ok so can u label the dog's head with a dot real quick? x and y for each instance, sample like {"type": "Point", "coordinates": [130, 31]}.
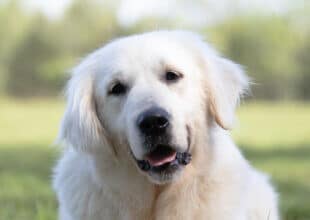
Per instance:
{"type": "Point", "coordinates": [150, 94]}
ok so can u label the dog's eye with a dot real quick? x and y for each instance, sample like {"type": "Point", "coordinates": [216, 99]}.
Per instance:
{"type": "Point", "coordinates": [118, 89]}
{"type": "Point", "coordinates": [172, 76]}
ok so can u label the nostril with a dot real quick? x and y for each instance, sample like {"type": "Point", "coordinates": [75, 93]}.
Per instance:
{"type": "Point", "coordinates": [162, 122]}
{"type": "Point", "coordinates": [146, 123]}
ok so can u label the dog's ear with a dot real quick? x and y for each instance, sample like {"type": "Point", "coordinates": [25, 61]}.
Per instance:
{"type": "Point", "coordinates": [81, 127]}
{"type": "Point", "coordinates": [227, 82]}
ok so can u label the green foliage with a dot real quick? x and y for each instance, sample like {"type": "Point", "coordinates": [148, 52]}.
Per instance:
{"type": "Point", "coordinates": [266, 46]}
{"type": "Point", "coordinates": [85, 26]}
{"type": "Point", "coordinates": [274, 137]}
{"type": "Point", "coordinates": [39, 64]}
{"type": "Point", "coordinates": [36, 53]}
{"type": "Point", "coordinates": [14, 23]}
{"type": "Point", "coordinates": [303, 60]}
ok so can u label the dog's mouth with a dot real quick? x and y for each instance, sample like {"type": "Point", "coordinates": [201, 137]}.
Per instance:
{"type": "Point", "coordinates": [164, 157]}
{"type": "Point", "coordinates": [161, 155]}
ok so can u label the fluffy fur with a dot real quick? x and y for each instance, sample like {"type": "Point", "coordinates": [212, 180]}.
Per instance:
{"type": "Point", "coordinates": [98, 178]}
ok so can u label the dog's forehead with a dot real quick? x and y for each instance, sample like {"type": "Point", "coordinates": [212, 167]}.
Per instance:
{"type": "Point", "coordinates": [142, 54]}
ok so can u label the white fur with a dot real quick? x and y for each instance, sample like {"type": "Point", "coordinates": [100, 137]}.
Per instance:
{"type": "Point", "coordinates": [97, 177]}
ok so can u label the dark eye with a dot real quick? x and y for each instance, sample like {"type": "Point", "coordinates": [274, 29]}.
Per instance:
{"type": "Point", "coordinates": [118, 89]}
{"type": "Point", "coordinates": [172, 76]}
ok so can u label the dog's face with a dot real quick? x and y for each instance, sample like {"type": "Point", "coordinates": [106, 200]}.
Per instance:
{"type": "Point", "coordinates": [148, 94]}
{"type": "Point", "coordinates": [145, 98]}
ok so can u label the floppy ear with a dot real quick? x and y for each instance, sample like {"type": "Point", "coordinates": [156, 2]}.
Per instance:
{"type": "Point", "coordinates": [226, 84]}
{"type": "Point", "coordinates": [81, 127]}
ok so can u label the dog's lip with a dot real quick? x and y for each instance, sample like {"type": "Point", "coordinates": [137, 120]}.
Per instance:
{"type": "Point", "coordinates": [161, 155]}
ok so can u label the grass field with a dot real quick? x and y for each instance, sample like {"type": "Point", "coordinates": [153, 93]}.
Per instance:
{"type": "Point", "coordinates": [274, 137]}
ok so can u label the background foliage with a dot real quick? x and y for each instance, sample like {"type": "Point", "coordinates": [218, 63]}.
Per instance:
{"type": "Point", "coordinates": [35, 50]}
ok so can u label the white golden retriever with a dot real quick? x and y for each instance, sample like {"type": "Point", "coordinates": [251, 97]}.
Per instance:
{"type": "Point", "coordinates": [145, 130]}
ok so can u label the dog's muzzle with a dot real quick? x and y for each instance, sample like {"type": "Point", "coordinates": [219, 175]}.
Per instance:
{"type": "Point", "coordinates": [155, 129]}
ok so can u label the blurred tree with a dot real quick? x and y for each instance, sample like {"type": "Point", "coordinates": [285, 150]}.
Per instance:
{"type": "Point", "coordinates": [24, 67]}
{"type": "Point", "coordinates": [36, 53]}
{"type": "Point", "coordinates": [40, 62]}
{"type": "Point", "coordinates": [266, 47]}
{"type": "Point", "coordinates": [149, 23]}
{"type": "Point", "coordinates": [14, 24]}
{"type": "Point", "coordinates": [86, 25]}
{"type": "Point", "coordinates": [303, 60]}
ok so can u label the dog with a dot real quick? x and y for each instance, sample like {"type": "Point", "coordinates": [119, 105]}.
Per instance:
{"type": "Point", "coordinates": [146, 135]}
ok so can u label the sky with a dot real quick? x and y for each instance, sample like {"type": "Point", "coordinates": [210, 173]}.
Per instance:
{"type": "Point", "coordinates": [130, 11]}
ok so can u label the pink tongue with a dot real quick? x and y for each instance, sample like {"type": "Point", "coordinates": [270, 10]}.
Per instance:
{"type": "Point", "coordinates": [158, 161]}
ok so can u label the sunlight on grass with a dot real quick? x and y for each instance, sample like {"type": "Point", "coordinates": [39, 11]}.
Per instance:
{"type": "Point", "coordinates": [30, 121]}
{"type": "Point", "coordinates": [268, 125]}
{"type": "Point", "coordinates": [274, 137]}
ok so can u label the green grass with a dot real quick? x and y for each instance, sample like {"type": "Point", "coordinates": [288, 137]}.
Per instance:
{"type": "Point", "coordinates": [274, 137]}
{"type": "Point", "coordinates": [27, 132]}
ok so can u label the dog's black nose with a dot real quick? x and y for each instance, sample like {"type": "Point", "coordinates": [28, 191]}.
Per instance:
{"type": "Point", "coordinates": [154, 121]}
